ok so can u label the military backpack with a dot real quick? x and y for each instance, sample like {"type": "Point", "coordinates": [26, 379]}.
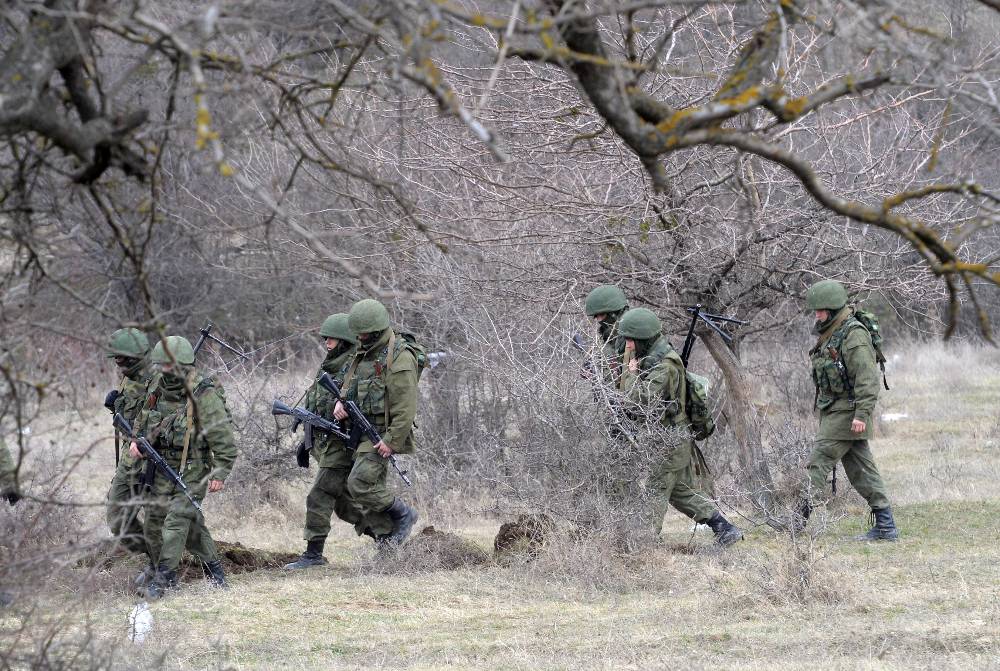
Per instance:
{"type": "Point", "coordinates": [696, 405]}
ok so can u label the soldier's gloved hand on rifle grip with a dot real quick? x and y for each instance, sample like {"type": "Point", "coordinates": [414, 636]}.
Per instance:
{"type": "Point", "coordinates": [339, 412]}
{"type": "Point", "coordinates": [302, 455]}
{"type": "Point", "coordinates": [133, 450]}
{"type": "Point", "coordinates": [109, 400]}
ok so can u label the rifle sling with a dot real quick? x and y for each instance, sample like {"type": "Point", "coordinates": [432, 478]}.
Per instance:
{"type": "Point", "coordinates": [187, 433]}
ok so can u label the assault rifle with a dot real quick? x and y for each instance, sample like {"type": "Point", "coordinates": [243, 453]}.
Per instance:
{"type": "Point", "coordinates": [312, 421]}
{"type": "Point", "coordinates": [360, 426]}
{"type": "Point", "coordinates": [715, 322]}
{"type": "Point", "coordinates": [157, 460]}
{"type": "Point", "coordinates": [588, 363]}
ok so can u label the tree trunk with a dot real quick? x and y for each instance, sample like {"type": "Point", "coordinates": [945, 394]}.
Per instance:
{"type": "Point", "coordinates": [754, 472]}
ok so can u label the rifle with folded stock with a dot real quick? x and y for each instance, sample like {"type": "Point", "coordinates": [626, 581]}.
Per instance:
{"type": "Point", "coordinates": [311, 421]}
{"type": "Point", "coordinates": [156, 459]}
{"type": "Point", "coordinates": [360, 426]}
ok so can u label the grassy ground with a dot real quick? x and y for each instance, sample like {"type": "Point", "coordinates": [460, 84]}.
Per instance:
{"type": "Point", "coordinates": [932, 600]}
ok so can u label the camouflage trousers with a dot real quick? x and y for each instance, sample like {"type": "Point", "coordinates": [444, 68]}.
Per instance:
{"type": "Point", "coordinates": [329, 496]}
{"type": "Point", "coordinates": [859, 464]}
{"type": "Point", "coordinates": [367, 487]}
{"type": "Point", "coordinates": [677, 487]}
{"type": "Point", "coordinates": [123, 505]}
{"type": "Point", "coordinates": [173, 524]}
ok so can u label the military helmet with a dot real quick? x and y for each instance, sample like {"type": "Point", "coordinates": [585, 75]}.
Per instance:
{"type": "Point", "coordinates": [335, 326]}
{"type": "Point", "coordinates": [128, 342]}
{"type": "Point", "coordinates": [639, 324]}
{"type": "Point", "coordinates": [368, 316]}
{"type": "Point", "coordinates": [178, 346]}
{"type": "Point", "coordinates": [605, 299]}
{"type": "Point", "coordinates": [826, 295]}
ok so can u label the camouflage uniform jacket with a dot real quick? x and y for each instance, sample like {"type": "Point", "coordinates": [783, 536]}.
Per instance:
{"type": "Point", "coordinates": [658, 388]}
{"type": "Point", "coordinates": [212, 448]}
{"type": "Point", "coordinates": [136, 392]}
{"type": "Point", "coordinates": [320, 401]}
{"type": "Point", "coordinates": [385, 392]}
{"type": "Point", "coordinates": [846, 376]}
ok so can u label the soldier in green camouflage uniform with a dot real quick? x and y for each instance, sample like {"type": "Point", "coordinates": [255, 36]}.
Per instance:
{"type": "Point", "coordinates": [605, 304]}
{"type": "Point", "coordinates": [382, 379]}
{"type": "Point", "coordinates": [846, 376]}
{"type": "Point", "coordinates": [653, 383]}
{"type": "Point", "coordinates": [190, 426]}
{"type": "Point", "coordinates": [129, 347]}
{"type": "Point", "coordinates": [329, 493]}
{"type": "Point", "coordinates": [8, 475]}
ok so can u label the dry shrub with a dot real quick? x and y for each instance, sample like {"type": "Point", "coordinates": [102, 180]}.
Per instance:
{"type": "Point", "coordinates": [797, 574]}
{"type": "Point", "coordinates": [430, 550]}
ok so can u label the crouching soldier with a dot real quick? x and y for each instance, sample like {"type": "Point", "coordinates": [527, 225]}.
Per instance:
{"type": "Point", "coordinates": [329, 494]}
{"type": "Point", "coordinates": [191, 428]}
{"type": "Point", "coordinates": [381, 378]}
{"type": "Point", "coordinates": [653, 383]}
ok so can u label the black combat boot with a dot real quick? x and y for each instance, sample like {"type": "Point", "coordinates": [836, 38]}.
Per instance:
{"type": "Point", "coordinates": [725, 533]}
{"type": "Point", "coordinates": [144, 578]}
{"type": "Point", "coordinates": [884, 528]}
{"type": "Point", "coordinates": [164, 580]}
{"type": "Point", "coordinates": [216, 576]}
{"type": "Point", "coordinates": [403, 518]}
{"type": "Point", "coordinates": [313, 556]}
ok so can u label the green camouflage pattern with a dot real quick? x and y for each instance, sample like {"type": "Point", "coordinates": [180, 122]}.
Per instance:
{"type": "Point", "coordinates": [211, 454]}
{"type": "Point", "coordinates": [639, 324]}
{"type": "Point", "coordinates": [368, 316]}
{"type": "Point", "coordinates": [658, 387]}
{"type": "Point", "coordinates": [605, 299]}
{"type": "Point", "coordinates": [321, 402]}
{"type": "Point", "coordinates": [374, 385]}
{"type": "Point", "coordinates": [336, 326]}
{"type": "Point", "coordinates": [130, 342]}
{"type": "Point", "coordinates": [826, 295]}
{"type": "Point", "coordinates": [178, 346]}
{"type": "Point", "coordinates": [846, 361]}
{"type": "Point", "coordinates": [851, 346]}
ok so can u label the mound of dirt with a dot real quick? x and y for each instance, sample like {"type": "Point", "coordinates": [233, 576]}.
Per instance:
{"type": "Point", "coordinates": [236, 558]}
{"type": "Point", "coordinates": [523, 538]}
{"type": "Point", "coordinates": [432, 550]}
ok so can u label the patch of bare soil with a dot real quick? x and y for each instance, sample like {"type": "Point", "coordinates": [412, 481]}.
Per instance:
{"type": "Point", "coordinates": [523, 538]}
{"type": "Point", "coordinates": [236, 558]}
{"type": "Point", "coordinates": [433, 550]}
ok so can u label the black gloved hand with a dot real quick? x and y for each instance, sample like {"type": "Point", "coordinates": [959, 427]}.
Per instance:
{"type": "Point", "coordinates": [302, 456]}
{"type": "Point", "coordinates": [109, 400]}
{"type": "Point", "coordinates": [11, 496]}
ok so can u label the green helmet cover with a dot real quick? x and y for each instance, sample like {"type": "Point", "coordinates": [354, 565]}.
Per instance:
{"type": "Point", "coordinates": [130, 342]}
{"type": "Point", "coordinates": [336, 326]}
{"type": "Point", "coordinates": [178, 346]}
{"type": "Point", "coordinates": [826, 295]}
{"type": "Point", "coordinates": [639, 324]}
{"type": "Point", "coordinates": [368, 316]}
{"type": "Point", "coordinates": [605, 299]}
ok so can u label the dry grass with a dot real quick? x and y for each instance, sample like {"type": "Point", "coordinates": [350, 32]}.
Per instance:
{"type": "Point", "coordinates": [930, 601]}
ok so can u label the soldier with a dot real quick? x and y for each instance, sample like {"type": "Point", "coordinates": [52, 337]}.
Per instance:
{"type": "Point", "coordinates": [605, 304]}
{"type": "Point", "coordinates": [845, 373]}
{"type": "Point", "coordinates": [653, 382]}
{"type": "Point", "coordinates": [8, 475]}
{"type": "Point", "coordinates": [329, 493]}
{"type": "Point", "coordinates": [190, 426]}
{"type": "Point", "coordinates": [129, 347]}
{"type": "Point", "coordinates": [382, 379]}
